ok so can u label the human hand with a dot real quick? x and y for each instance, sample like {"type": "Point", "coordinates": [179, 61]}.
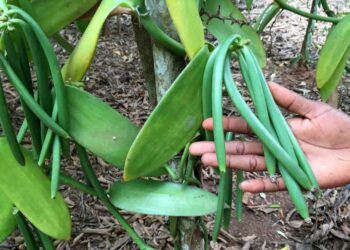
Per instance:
{"type": "Point", "coordinates": [322, 132]}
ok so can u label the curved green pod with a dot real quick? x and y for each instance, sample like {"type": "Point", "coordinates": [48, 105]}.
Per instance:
{"type": "Point", "coordinates": [29, 190]}
{"type": "Point", "coordinates": [98, 127]}
{"type": "Point", "coordinates": [173, 122]}
{"type": "Point", "coordinates": [7, 219]}
{"type": "Point", "coordinates": [162, 198]}
{"type": "Point", "coordinates": [333, 58]}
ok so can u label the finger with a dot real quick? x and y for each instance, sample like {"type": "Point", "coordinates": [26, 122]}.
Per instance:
{"type": "Point", "coordinates": [249, 163]}
{"type": "Point", "coordinates": [232, 147]}
{"type": "Point", "coordinates": [296, 103]}
{"type": "Point", "coordinates": [233, 124]}
{"type": "Point", "coordinates": [262, 185]}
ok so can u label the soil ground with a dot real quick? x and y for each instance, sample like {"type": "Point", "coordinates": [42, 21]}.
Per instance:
{"type": "Point", "coordinates": [269, 220]}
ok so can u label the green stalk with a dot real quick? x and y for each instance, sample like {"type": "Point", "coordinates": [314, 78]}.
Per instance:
{"type": "Point", "coordinates": [26, 232]}
{"type": "Point", "coordinates": [67, 180]}
{"type": "Point", "coordinates": [22, 131]}
{"type": "Point", "coordinates": [290, 8]}
{"type": "Point", "coordinates": [157, 34]}
{"type": "Point", "coordinates": [8, 129]}
{"type": "Point", "coordinates": [101, 194]}
{"type": "Point", "coordinates": [63, 42]}
{"type": "Point", "coordinates": [45, 240]}
{"type": "Point", "coordinates": [239, 195]}
{"type": "Point", "coordinates": [228, 191]}
{"type": "Point", "coordinates": [265, 18]}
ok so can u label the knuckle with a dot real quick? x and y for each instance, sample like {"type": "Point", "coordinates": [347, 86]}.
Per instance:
{"type": "Point", "coordinates": [240, 148]}
{"type": "Point", "coordinates": [253, 163]}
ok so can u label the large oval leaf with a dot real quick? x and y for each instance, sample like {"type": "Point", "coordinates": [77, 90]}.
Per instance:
{"type": "Point", "coordinates": [221, 29]}
{"type": "Point", "coordinates": [7, 219]}
{"type": "Point", "coordinates": [162, 198]}
{"type": "Point", "coordinates": [54, 15]}
{"type": "Point", "coordinates": [98, 127]}
{"type": "Point", "coordinates": [79, 61]}
{"type": "Point", "coordinates": [329, 87]}
{"type": "Point", "coordinates": [187, 21]}
{"type": "Point", "coordinates": [172, 124]}
{"type": "Point", "coordinates": [333, 56]}
{"type": "Point", "coordinates": [29, 190]}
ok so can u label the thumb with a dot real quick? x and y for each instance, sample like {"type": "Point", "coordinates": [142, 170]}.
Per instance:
{"type": "Point", "coordinates": [293, 102]}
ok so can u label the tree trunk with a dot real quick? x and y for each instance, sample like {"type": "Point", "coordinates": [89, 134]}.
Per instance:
{"type": "Point", "coordinates": [167, 67]}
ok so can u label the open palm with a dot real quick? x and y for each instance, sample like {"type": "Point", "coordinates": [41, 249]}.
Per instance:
{"type": "Point", "coordinates": [322, 131]}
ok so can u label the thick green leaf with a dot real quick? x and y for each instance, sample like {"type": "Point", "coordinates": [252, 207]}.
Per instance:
{"type": "Point", "coordinates": [187, 21]}
{"type": "Point", "coordinates": [172, 124]}
{"type": "Point", "coordinates": [249, 4]}
{"type": "Point", "coordinates": [221, 29]}
{"type": "Point", "coordinates": [327, 89]}
{"type": "Point", "coordinates": [29, 190]}
{"type": "Point", "coordinates": [98, 127]}
{"type": "Point", "coordinates": [7, 219]}
{"type": "Point", "coordinates": [54, 15]}
{"type": "Point", "coordinates": [79, 61]}
{"type": "Point", "coordinates": [162, 198]}
{"type": "Point", "coordinates": [333, 55]}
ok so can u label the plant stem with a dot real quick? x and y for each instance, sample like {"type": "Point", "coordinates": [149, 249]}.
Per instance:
{"type": "Point", "coordinates": [290, 8]}
{"type": "Point", "coordinates": [67, 180]}
{"type": "Point", "coordinates": [326, 8]}
{"type": "Point", "coordinates": [101, 194]}
{"type": "Point", "coordinates": [305, 49]}
{"type": "Point", "coordinates": [26, 232]}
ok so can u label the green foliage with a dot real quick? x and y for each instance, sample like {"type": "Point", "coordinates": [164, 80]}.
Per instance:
{"type": "Point", "coordinates": [172, 124]}
{"type": "Point", "coordinates": [191, 32]}
{"type": "Point", "coordinates": [162, 198]}
{"type": "Point", "coordinates": [8, 221]}
{"type": "Point", "coordinates": [99, 128]}
{"type": "Point", "coordinates": [229, 20]}
{"type": "Point", "coordinates": [333, 58]}
{"type": "Point", "coordinates": [29, 190]}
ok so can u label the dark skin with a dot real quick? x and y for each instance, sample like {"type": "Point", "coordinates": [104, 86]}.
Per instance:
{"type": "Point", "coordinates": [322, 131]}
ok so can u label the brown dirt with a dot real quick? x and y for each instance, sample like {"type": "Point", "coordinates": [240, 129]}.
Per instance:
{"type": "Point", "coordinates": [116, 77]}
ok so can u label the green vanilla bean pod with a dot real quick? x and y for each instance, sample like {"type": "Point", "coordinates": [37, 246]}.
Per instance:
{"type": "Point", "coordinates": [48, 138]}
{"type": "Point", "coordinates": [40, 67]}
{"type": "Point", "coordinates": [63, 116]}
{"type": "Point", "coordinates": [29, 100]}
{"type": "Point", "coordinates": [26, 232]}
{"type": "Point", "coordinates": [239, 195]}
{"type": "Point", "coordinates": [295, 194]}
{"type": "Point", "coordinates": [157, 34]}
{"type": "Point", "coordinates": [45, 240]}
{"type": "Point", "coordinates": [255, 90]}
{"type": "Point", "coordinates": [56, 165]}
{"type": "Point", "coordinates": [8, 128]}
{"type": "Point", "coordinates": [256, 126]}
{"type": "Point", "coordinates": [228, 191]}
{"type": "Point", "coordinates": [219, 139]}
{"type": "Point", "coordinates": [207, 91]}
{"type": "Point", "coordinates": [282, 122]}
{"type": "Point", "coordinates": [22, 131]}
{"type": "Point", "coordinates": [13, 59]}
{"type": "Point", "coordinates": [101, 194]}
